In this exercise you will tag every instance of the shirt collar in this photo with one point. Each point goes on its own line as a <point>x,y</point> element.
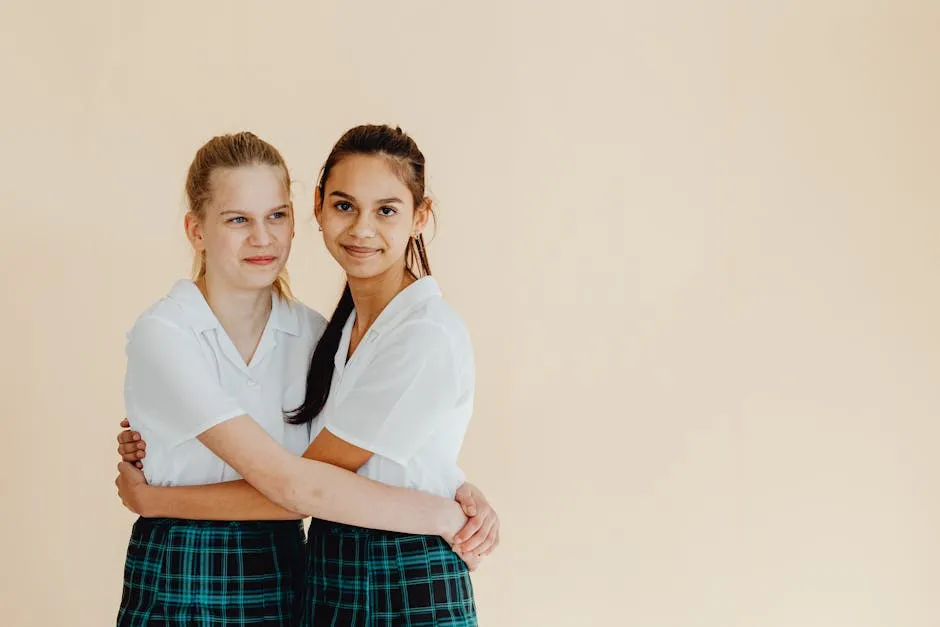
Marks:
<point>404,302</point>
<point>284,316</point>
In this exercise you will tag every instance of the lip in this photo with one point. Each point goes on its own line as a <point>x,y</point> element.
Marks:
<point>261,260</point>
<point>360,252</point>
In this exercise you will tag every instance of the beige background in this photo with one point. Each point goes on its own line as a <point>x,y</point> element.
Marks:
<point>695,242</point>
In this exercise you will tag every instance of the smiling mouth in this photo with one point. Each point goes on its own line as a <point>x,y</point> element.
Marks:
<point>261,260</point>
<point>360,252</point>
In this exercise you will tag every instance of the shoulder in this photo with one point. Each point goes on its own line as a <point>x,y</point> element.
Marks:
<point>155,334</point>
<point>311,321</point>
<point>170,320</point>
<point>434,326</point>
<point>440,312</point>
<point>163,318</point>
<point>305,325</point>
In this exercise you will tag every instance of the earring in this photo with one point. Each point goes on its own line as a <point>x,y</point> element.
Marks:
<point>320,228</point>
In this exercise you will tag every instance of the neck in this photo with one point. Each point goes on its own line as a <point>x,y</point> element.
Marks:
<point>370,296</point>
<point>242,313</point>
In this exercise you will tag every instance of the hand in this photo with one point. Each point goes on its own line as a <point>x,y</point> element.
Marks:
<point>481,533</point>
<point>472,561</point>
<point>130,483</point>
<point>131,448</point>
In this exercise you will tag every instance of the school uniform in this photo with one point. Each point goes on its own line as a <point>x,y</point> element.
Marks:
<point>184,376</point>
<point>406,395</point>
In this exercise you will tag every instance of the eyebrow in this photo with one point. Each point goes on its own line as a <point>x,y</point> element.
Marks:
<point>230,211</point>
<point>381,201</point>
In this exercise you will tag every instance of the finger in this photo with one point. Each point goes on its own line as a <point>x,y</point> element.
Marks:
<point>472,561</point>
<point>489,537</point>
<point>131,473</point>
<point>465,497</point>
<point>492,539</point>
<point>494,545</point>
<point>125,423</point>
<point>473,525</point>
<point>140,465</point>
<point>127,436</point>
<point>478,539</point>
<point>133,456</point>
<point>131,447</point>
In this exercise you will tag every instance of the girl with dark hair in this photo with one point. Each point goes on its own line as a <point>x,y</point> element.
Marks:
<point>210,369</point>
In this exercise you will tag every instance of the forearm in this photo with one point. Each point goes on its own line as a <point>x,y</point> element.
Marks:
<point>233,500</point>
<point>318,489</point>
<point>325,491</point>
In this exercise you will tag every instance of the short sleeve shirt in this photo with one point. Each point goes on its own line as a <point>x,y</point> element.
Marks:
<point>185,376</point>
<point>406,394</point>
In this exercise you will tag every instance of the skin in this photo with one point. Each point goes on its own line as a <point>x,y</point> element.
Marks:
<point>245,237</point>
<point>367,216</point>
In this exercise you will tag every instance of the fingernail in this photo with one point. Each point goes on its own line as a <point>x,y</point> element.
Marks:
<point>141,445</point>
<point>136,437</point>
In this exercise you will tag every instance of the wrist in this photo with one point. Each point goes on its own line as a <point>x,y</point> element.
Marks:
<point>143,501</point>
<point>450,521</point>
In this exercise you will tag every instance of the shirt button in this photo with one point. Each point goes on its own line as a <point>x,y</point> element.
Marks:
<point>252,383</point>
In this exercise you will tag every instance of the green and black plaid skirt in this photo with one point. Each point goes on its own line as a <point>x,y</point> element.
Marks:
<point>367,578</point>
<point>194,572</point>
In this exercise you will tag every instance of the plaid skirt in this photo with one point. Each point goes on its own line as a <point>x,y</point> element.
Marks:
<point>194,572</point>
<point>360,577</point>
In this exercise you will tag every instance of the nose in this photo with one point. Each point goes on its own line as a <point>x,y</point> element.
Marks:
<point>260,235</point>
<point>363,227</point>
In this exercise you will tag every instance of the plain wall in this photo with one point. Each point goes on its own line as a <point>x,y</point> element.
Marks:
<point>695,244</point>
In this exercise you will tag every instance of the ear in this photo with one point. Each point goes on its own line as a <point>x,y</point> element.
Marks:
<point>317,206</point>
<point>194,232</point>
<point>422,215</point>
<point>292,220</point>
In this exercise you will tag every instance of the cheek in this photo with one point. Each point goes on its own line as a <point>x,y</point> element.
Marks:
<point>332,231</point>
<point>225,243</point>
<point>283,231</point>
<point>398,240</point>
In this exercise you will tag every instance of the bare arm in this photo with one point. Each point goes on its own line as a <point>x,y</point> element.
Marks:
<point>239,500</point>
<point>192,403</point>
<point>232,500</point>
<point>298,486</point>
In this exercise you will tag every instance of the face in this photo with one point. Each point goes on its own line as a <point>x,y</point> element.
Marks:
<point>368,215</point>
<point>247,228</point>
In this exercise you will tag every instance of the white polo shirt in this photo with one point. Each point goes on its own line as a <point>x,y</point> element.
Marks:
<point>406,393</point>
<point>184,376</point>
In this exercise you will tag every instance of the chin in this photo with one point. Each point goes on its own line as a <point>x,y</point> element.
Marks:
<point>364,271</point>
<point>260,280</point>
<point>361,273</point>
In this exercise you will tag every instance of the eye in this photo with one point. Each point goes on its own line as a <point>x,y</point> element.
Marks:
<point>238,220</point>
<point>343,206</point>
<point>277,215</point>
<point>387,211</point>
